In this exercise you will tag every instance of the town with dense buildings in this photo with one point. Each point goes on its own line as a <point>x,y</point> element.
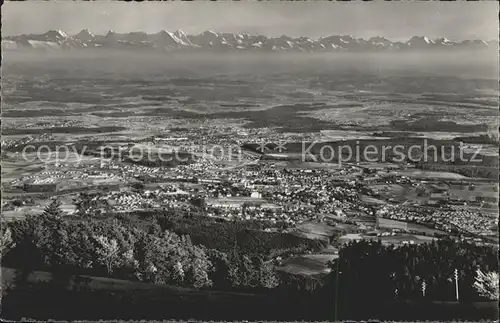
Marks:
<point>245,190</point>
<point>244,183</point>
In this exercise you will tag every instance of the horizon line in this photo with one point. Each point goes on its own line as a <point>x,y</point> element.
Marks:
<point>250,34</point>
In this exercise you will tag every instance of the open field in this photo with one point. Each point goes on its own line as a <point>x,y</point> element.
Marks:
<point>389,190</point>
<point>371,200</point>
<point>395,224</point>
<point>315,230</point>
<point>397,239</point>
<point>104,283</point>
<point>488,191</point>
<point>313,264</point>
<point>422,174</point>
<point>108,292</point>
<point>235,200</point>
<point>12,170</point>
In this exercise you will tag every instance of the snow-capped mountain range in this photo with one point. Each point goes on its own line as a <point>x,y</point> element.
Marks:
<point>212,41</point>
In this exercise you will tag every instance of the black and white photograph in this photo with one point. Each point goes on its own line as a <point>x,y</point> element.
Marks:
<point>244,161</point>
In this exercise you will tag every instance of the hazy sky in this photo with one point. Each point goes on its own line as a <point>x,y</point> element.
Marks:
<point>397,21</point>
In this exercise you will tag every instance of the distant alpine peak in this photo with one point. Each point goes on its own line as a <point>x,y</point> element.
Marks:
<point>59,33</point>
<point>84,32</point>
<point>166,32</point>
<point>167,38</point>
<point>444,40</point>
<point>210,32</point>
<point>420,38</point>
<point>378,39</point>
<point>55,35</point>
<point>180,33</point>
<point>211,40</point>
